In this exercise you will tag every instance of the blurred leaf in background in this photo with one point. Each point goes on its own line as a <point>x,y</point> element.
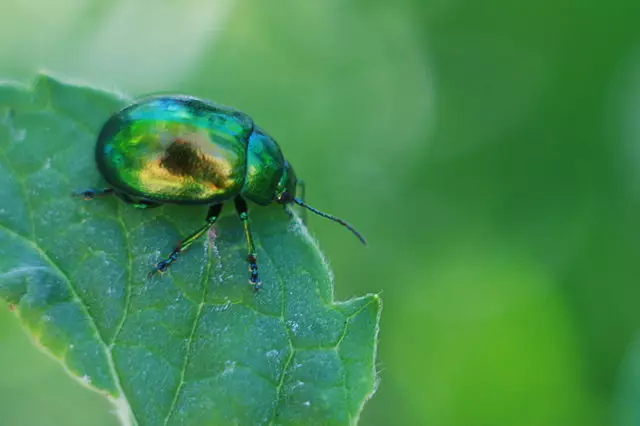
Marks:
<point>130,45</point>
<point>627,408</point>
<point>486,149</point>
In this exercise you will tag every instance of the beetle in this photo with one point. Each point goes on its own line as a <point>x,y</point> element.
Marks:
<point>179,149</point>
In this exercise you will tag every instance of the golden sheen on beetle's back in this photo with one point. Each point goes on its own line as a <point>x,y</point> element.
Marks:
<point>176,150</point>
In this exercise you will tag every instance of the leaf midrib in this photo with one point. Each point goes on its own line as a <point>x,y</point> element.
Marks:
<point>196,322</point>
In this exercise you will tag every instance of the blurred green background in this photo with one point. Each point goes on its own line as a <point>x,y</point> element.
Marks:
<point>488,150</point>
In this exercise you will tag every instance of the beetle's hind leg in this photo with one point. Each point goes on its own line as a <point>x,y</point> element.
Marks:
<point>252,257</point>
<point>212,216</point>
<point>90,194</point>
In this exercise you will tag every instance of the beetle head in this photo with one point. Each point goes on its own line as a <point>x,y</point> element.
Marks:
<point>286,190</point>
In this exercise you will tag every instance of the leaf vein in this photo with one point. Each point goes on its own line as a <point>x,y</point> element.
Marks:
<point>80,301</point>
<point>196,321</point>
<point>285,367</point>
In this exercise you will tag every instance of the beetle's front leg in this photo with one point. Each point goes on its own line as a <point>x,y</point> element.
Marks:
<point>212,216</point>
<point>252,257</point>
<point>90,194</point>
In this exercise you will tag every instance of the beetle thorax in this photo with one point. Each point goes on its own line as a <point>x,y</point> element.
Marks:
<point>266,169</point>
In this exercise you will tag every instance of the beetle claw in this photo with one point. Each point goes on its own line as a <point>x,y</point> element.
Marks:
<point>160,267</point>
<point>254,281</point>
<point>85,195</point>
<point>256,285</point>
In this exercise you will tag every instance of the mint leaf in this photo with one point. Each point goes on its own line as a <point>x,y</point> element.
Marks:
<point>195,346</point>
<point>626,412</point>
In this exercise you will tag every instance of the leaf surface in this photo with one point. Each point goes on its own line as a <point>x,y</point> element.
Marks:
<point>195,346</point>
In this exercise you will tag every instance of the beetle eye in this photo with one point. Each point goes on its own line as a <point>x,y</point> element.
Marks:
<point>284,198</point>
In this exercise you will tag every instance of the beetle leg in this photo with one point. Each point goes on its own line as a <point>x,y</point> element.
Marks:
<point>212,216</point>
<point>90,194</point>
<point>138,203</point>
<point>145,204</point>
<point>252,257</point>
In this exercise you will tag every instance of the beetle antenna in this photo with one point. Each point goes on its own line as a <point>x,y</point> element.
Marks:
<point>333,218</point>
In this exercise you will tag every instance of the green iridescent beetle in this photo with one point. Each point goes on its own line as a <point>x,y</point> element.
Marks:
<point>184,150</point>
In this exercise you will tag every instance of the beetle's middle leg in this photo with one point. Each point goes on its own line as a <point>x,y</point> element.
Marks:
<point>252,257</point>
<point>91,194</point>
<point>138,203</point>
<point>212,216</point>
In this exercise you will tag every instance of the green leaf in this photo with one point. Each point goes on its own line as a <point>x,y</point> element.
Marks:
<point>626,410</point>
<point>195,346</point>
